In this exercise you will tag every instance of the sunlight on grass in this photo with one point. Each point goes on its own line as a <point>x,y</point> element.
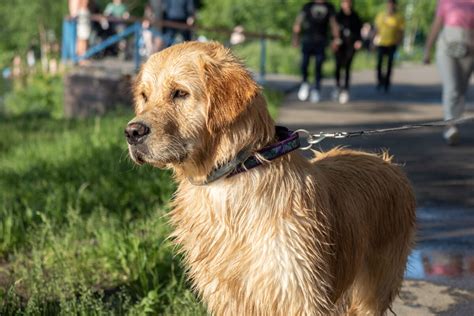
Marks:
<point>84,230</point>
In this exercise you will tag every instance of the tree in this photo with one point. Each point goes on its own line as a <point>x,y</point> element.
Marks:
<point>25,22</point>
<point>268,16</point>
<point>277,16</point>
<point>419,16</point>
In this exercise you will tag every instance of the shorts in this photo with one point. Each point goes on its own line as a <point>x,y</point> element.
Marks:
<point>83,25</point>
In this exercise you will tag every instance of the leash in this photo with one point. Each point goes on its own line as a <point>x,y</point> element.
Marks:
<point>313,139</point>
<point>288,141</point>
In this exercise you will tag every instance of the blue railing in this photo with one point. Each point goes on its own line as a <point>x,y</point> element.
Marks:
<point>68,41</point>
<point>70,32</point>
<point>68,52</point>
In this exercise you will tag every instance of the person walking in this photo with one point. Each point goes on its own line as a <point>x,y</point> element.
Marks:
<point>179,11</point>
<point>454,19</point>
<point>389,26</point>
<point>310,31</point>
<point>152,34</point>
<point>118,11</point>
<point>79,9</point>
<point>349,29</point>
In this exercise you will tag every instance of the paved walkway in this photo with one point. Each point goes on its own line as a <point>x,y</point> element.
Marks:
<point>440,277</point>
<point>442,175</point>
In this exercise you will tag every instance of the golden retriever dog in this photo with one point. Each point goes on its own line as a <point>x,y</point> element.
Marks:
<point>327,236</point>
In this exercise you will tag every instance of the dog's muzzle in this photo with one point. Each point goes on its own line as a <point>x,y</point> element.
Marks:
<point>136,133</point>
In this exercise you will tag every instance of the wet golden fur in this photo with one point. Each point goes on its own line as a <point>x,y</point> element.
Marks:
<point>291,237</point>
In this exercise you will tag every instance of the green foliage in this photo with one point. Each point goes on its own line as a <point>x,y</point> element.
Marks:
<point>280,57</point>
<point>274,99</point>
<point>39,94</point>
<point>286,60</point>
<point>80,224</point>
<point>277,16</point>
<point>419,14</point>
<point>83,231</point>
<point>99,265</point>
<point>270,16</point>
<point>367,9</point>
<point>50,166</point>
<point>23,20</point>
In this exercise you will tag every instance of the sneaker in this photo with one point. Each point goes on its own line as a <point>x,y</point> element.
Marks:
<point>303,92</point>
<point>314,97</point>
<point>451,135</point>
<point>343,97</point>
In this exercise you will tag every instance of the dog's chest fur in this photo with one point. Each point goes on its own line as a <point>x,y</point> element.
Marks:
<point>244,236</point>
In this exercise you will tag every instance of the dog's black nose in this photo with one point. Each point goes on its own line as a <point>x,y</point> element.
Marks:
<point>136,132</point>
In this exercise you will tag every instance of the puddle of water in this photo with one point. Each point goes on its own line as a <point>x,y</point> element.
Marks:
<point>435,264</point>
<point>445,245</point>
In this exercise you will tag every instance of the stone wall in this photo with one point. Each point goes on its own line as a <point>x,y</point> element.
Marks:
<point>90,91</point>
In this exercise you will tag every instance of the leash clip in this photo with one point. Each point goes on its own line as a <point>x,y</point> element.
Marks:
<point>313,139</point>
<point>310,138</point>
<point>341,135</point>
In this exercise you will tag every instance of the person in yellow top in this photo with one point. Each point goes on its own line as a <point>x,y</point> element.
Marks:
<point>389,26</point>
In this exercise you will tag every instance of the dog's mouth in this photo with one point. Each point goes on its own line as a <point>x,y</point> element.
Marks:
<point>137,156</point>
<point>139,160</point>
<point>141,155</point>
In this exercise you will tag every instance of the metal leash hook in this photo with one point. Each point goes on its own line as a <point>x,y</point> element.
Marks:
<point>310,138</point>
<point>341,134</point>
<point>315,139</point>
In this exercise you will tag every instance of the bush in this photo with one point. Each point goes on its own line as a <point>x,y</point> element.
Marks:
<point>39,94</point>
<point>281,57</point>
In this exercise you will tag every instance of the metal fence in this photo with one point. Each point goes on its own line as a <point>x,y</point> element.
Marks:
<point>69,36</point>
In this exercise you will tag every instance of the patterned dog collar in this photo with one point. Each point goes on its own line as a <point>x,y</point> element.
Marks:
<point>287,142</point>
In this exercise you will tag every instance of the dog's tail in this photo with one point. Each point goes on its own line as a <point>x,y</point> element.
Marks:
<point>318,155</point>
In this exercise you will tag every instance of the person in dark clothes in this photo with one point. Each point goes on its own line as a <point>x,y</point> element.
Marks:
<point>181,11</point>
<point>349,28</point>
<point>311,31</point>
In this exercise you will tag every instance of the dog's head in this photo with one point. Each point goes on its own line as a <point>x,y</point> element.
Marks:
<point>196,106</point>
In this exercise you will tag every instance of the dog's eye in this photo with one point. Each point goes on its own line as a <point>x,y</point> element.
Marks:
<point>180,94</point>
<point>144,97</point>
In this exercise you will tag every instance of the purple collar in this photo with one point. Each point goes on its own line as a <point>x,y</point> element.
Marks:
<point>287,142</point>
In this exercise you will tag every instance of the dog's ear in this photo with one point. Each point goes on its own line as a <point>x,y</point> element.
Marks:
<point>229,85</point>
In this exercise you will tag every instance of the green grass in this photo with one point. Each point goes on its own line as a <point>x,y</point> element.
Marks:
<point>39,94</point>
<point>274,99</point>
<point>83,231</point>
